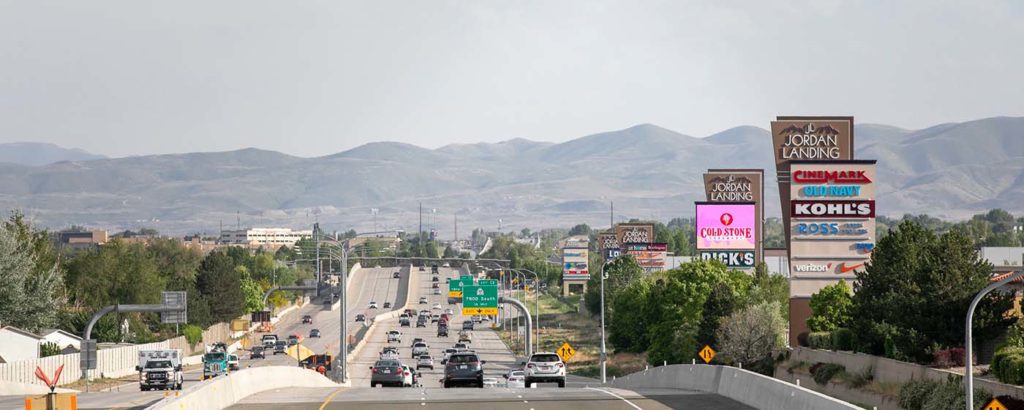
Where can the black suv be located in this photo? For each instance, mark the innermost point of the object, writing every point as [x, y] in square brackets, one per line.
[464, 368]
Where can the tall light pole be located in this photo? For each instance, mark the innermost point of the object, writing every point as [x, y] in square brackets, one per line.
[604, 352]
[536, 294]
[968, 370]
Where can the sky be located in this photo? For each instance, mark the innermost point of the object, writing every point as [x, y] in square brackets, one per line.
[311, 78]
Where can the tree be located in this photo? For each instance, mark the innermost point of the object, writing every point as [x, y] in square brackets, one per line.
[768, 287]
[581, 229]
[913, 295]
[831, 308]
[27, 293]
[251, 290]
[719, 305]
[116, 273]
[220, 284]
[175, 263]
[752, 334]
[620, 273]
[628, 329]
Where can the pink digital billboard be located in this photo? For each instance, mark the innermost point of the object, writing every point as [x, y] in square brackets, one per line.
[726, 226]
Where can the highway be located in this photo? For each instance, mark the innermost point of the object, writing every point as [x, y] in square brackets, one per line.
[579, 393]
[368, 284]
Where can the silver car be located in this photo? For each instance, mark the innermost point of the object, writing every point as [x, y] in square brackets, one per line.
[425, 361]
[420, 349]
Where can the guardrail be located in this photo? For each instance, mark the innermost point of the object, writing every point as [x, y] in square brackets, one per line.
[755, 390]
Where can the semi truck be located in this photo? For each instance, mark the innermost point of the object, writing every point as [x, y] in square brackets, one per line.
[160, 369]
[215, 361]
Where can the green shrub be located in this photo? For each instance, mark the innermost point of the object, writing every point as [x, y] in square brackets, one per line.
[820, 340]
[823, 372]
[842, 339]
[48, 349]
[1008, 365]
[193, 334]
[915, 392]
[933, 395]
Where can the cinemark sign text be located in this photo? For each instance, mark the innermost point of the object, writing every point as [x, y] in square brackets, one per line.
[833, 209]
[835, 177]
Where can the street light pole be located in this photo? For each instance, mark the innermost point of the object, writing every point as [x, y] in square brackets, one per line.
[968, 369]
[536, 294]
[604, 353]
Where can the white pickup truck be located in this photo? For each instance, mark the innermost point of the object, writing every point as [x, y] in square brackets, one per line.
[160, 369]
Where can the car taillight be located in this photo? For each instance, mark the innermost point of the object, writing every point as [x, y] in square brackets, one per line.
[374, 370]
[529, 366]
[560, 365]
[406, 373]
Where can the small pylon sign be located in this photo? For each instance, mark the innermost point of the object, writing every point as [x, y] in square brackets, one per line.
[707, 353]
[994, 405]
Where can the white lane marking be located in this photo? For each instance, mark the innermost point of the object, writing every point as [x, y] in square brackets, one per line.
[616, 396]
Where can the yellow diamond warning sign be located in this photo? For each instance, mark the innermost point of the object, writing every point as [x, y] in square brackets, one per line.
[994, 405]
[707, 353]
[566, 352]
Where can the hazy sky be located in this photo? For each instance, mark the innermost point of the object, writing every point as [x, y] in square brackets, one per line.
[316, 77]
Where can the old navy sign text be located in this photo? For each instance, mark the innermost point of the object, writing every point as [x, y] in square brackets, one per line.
[833, 209]
[830, 190]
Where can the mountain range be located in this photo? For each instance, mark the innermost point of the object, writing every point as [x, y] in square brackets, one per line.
[949, 170]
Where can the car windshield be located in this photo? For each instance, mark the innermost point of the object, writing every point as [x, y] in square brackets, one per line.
[517, 373]
[420, 345]
[387, 363]
[213, 357]
[545, 358]
[158, 364]
[424, 357]
[281, 343]
[463, 359]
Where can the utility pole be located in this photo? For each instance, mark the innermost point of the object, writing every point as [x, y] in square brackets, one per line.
[421, 221]
[604, 357]
[456, 227]
[316, 240]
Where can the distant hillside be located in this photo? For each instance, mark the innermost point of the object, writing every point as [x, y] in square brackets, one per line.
[950, 170]
[34, 153]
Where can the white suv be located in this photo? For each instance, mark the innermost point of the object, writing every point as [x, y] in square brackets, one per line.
[394, 336]
[544, 368]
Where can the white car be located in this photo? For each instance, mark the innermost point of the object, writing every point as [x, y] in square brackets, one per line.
[516, 380]
[447, 353]
[449, 312]
[436, 306]
[490, 382]
[420, 348]
[394, 336]
[409, 379]
[373, 305]
[437, 291]
[425, 361]
[544, 368]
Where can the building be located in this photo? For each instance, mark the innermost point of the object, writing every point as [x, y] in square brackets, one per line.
[66, 341]
[17, 345]
[263, 236]
[82, 240]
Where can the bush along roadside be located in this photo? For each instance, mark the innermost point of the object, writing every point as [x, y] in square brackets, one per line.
[1008, 365]
[934, 395]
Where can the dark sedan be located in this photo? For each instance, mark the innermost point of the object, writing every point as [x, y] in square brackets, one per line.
[387, 373]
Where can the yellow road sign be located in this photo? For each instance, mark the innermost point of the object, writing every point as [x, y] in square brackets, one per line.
[994, 405]
[566, 352]
[455, 294]
[480, 311]
[707, 353]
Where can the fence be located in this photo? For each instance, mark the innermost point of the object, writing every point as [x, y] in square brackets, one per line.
[117, 362]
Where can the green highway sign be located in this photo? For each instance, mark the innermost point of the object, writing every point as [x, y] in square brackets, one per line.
[479, 300]
[488, 282]
[455, 289]
[466, 280]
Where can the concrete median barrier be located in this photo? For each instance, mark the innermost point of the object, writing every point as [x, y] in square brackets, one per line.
[752, 389]
[224, 391]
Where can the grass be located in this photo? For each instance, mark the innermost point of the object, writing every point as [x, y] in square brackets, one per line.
[562, 322]
[859, 381]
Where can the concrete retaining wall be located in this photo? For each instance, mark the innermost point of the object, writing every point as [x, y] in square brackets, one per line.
[392, 315]
[225, 391]
[894, 371]
[746, 387]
